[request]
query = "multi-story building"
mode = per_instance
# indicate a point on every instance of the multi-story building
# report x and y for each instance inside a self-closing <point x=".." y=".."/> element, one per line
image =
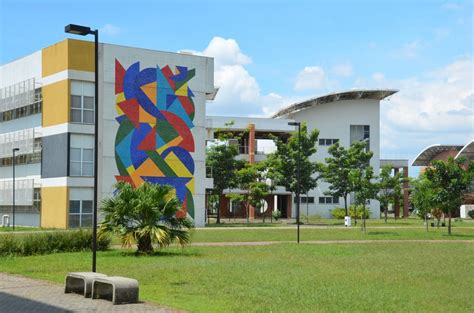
<point x="152" y="127"/>
<point x="152" y="124"/>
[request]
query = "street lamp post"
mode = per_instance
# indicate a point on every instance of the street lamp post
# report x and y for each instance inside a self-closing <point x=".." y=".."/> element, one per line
<point x="83" y="31"/>
<point x="298" y="180"/>
<point x="13" y="202"/>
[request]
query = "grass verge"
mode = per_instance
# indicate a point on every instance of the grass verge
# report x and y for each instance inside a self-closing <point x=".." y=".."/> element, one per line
<point x="377" y="277"/>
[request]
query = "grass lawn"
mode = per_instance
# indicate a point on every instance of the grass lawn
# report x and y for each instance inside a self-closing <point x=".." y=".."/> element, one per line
<point x="353" y="233"/>
<point x="376" y="277"/>
<point x="315" y="220"/>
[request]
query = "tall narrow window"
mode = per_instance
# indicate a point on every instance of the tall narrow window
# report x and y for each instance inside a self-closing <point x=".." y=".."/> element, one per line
<point x="81" y="162"/>
<point x="82" y="102"/>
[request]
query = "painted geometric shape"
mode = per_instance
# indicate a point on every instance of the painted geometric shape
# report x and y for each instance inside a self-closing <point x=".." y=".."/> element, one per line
<point x="154" y="140"/>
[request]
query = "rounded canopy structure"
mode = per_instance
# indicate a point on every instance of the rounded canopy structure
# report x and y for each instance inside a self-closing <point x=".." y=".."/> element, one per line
<point x="467" y="151"/>
<point x="376" y="94"/>
<point x="427" y="155"/>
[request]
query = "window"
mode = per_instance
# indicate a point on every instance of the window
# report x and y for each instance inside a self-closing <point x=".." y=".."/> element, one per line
<point x="327" y="142"/>
<point x="306" y="199"/>
<point x="37" y="199"/>
<point x="328" y="200"/>
<point x="360" y="133"/>
<point x="80" y="213"/>
<point x="81" y="162"/>
<point x="82" y="102"/>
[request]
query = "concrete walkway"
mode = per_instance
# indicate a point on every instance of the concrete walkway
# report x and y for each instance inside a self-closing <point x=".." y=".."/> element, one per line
<point x="20" y="294"/>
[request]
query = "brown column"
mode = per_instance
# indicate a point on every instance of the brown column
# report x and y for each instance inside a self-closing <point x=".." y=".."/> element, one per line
<point x="251" y="143"/>
<point x="289" y="204"/>
<point x="406" y="203"/>
<point x="224" y="206"/>
<point x="397" y="199"/>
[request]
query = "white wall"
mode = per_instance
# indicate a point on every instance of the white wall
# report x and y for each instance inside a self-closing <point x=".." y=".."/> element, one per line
<point x="333" y="121"/>
<point x="202" y="83"/>
<point x="21" y="69"/>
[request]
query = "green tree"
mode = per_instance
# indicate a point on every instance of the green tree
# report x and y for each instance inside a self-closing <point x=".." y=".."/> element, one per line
<point x="389" y="188"/>
<point x="338" y="167"/>
<point x="221" y="159"/>
<point x="364" y="188"/>
<point x="145" y="215"/>
<point x="251" y="180"/>
<point x="451" y="180"/>
<point x="285" y="160"/>
<point x="422" y="195"/>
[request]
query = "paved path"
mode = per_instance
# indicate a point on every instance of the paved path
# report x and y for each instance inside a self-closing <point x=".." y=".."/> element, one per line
<point x="322" y="242"/>
<point x="20" y="294"/>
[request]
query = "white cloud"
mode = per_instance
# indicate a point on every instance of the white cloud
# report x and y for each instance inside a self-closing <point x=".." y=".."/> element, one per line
<point x="451" y="6"/>
<point x="311" y="77"/>
<point x="436" y="108"/>
<point x="109" y="29"/>
<point x="409" y="50"/>
<point x="344" y="69"/>
<point x="239" y="92"/>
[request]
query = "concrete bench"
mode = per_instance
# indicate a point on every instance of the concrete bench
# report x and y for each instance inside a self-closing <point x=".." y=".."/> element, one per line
<point x="81" y="282"/>
<point x="116" y="289"/>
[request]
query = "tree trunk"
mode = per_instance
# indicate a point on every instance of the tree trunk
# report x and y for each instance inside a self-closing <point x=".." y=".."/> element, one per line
<point x="426" y="220"/>
<point x="345" y="204"/>
<point x="449" y="223"/>
<point x="355" y="215"/>
<point x="307" y="209"/>
<point x="386" y="213"/>
<point x="363" y="219"/>
<point x="218" y="221"/>
<point x="144" y="245"/>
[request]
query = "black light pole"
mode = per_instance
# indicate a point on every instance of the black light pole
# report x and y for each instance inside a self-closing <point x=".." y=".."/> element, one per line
<point x="13" y="203"/>
<point x="83" y="31"/>
<point x="298" y="179"/>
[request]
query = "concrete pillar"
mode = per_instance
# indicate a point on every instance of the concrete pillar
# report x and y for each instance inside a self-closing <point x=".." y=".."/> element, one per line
<point x="397" y="199"/>
<point x="405" y="192"/>
<point x="251" y="143"/>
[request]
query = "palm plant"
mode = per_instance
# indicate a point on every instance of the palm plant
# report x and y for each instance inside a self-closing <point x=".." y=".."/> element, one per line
<point x="145" y="215"/>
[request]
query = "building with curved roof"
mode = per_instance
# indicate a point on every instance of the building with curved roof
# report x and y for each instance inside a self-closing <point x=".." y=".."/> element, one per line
<point x="436" y="152"/>
<point x="374" y="94"/>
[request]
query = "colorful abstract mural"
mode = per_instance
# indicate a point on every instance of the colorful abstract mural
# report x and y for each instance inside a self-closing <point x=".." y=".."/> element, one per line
<point x="154" y="141"/>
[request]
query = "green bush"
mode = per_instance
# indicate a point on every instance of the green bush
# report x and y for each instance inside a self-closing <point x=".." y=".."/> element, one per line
<point x="276" y="215"/>
<point x="340" y="213"/>
<point x="471" y="214"/>
<point x="49" y="242"/>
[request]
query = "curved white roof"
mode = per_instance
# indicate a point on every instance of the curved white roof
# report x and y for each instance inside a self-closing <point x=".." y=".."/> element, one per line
<point x="377" y="94"/>
<point x="467" y="151"/>
<point x="425" y="156"/>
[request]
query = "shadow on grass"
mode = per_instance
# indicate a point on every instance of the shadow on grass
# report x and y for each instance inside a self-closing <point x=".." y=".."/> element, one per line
<point x="382" y="233"/>
<point x="160" y="253"/>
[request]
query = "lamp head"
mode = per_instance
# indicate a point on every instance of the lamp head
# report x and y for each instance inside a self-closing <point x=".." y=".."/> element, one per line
<point x="16" y="149"/>
<point x="77" y="30"/>
<point x="294" y="123"/>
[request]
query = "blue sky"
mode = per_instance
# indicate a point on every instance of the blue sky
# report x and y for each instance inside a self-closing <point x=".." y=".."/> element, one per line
<point x="271" y="53"/>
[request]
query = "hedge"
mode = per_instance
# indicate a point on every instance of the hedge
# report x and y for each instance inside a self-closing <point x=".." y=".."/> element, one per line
<point x="35" y="243"/>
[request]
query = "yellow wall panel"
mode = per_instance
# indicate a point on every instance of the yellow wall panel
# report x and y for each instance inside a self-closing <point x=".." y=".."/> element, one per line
<point x="54" y="207"/>
<point x="68" y="54"/>
<point x="56" y="103"/>
<point x="81" y="55"/>
<point x="55" y="58"/>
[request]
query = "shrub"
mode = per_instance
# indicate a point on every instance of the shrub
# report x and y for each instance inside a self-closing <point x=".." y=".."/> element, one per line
<point x="340" y="213"/>
<point x="471" y="214"/>
<point x="276" y="215"/>
<point x="49" y="242"/>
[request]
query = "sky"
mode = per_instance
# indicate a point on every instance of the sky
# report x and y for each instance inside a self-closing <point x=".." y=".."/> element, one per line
<point x="269" y="54"/>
